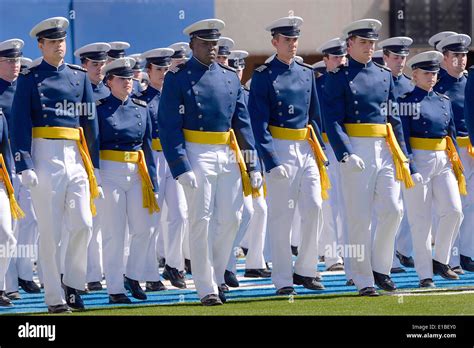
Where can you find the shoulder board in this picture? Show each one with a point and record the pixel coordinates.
(339, 68)
(76, 67)
(139, 102)
(382, 66)
(177, 68)
(227, 67)
(304, 64)
(100, 101)
(442, 95)
(261, 68)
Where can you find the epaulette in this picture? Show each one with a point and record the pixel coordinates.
(100, 101)
(76, 67)
(177, 68)
(261, 68)
(304, 64)
(227, 67)
(383, 66)
(442, 95)
(139, 102)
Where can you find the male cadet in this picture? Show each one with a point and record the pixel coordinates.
(453, 85)
(56, 160)
(285, 114)
(181, 53)
(332, 234)
(93, 58)
(225, 44)
(433, 41)
(157, 62)
(395, 52)
(363, 134)
(20, 270)
(251, 235)
(203, 121)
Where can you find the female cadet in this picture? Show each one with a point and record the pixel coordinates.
(129, 178)
(428, 124)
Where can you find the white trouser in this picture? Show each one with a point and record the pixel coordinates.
(464, 242)
(373, 189)
(94, 251)
(217, 201)
(403, 243)
(171, 192)
(7, 239)
(303, 188)
(62, 196)
(296, 228)
(26, 234)
(441, 193)
(333, 219)
(123, 203)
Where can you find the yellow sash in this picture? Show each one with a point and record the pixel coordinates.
(309, 135)
(76, 134)
(444, 144)
(156, 144)
(466, 142)
(138, 157)
(372, 130)
(224, 138)
(325, 137)
(15, 209)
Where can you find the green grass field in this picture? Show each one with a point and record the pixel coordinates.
(341, 304)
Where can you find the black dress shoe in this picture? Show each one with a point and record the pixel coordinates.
(119, 298)
(384, 282)
(286, 291)
(368, 291)
(29, 286)
(222, 295)
(14, 295)
(211, 300)
(73, 299)
(444, 271)
(397, 270)
(350, 282)
(405, 260)
(336, 267)
(83, 291)
(4, 300)
(308, 282)
(94, 286)
(245, 250)
(458, 270)
(230, 279)
(294, 250)
(62, 308)
(134, 287)
(187, 266)
(467, 263)
(257, 273)
(155, 286)
(223, 287)
(174, 276)
(427, 283)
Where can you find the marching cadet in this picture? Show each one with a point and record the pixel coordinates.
(367, 140)
(55, 147)
(128, 172)
(138, 71)
(225, 44)
(158, 61)
(333, 230)
(203, 123)
(181, 53)
(20, 270)
(430, 134)
(253, 232)
(433, 42)
(285, 114)
(93, 58)
(453, 84)
(395, 52)
(117, 50)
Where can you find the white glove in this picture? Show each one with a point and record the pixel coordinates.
(256, 179)
(188, 179)
(279, 172)
(156, 196)
(417, 179)
(101, 192)
(355, 163)
(29, 178)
